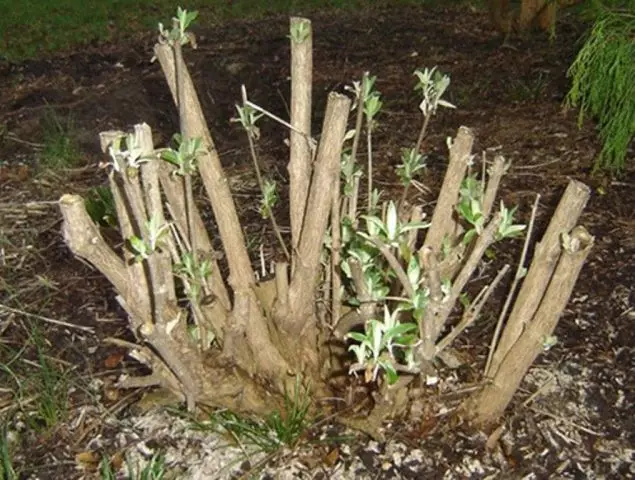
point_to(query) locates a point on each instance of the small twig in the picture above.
(263, 262)
(38, 365)
(310, 139)
(395, 265)
(22, 402)
(5, 325)
(179, 236)
(14, 138)
(358, 367)
(566, 421)
(114, 410)
(31, 204)
(539, 391)
(537, 165)
(118, 342)
(336, 245)
(369, 153)
(472, 313)
(261, 184)
(564, 437)
(352, 204)
(422, 133)
(404, 196)
(47, 319)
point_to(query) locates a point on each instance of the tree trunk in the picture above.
(533, 13)
(501, 15)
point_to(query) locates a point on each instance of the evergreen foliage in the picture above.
(603, 84)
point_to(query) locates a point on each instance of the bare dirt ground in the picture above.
(573, 417)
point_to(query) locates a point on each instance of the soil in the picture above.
(572, 418)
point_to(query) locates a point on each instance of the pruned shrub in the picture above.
(362, 285)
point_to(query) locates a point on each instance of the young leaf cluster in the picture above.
(178, 33)
(380, 247)
(184, 157)
(195, 273)
(156, 235)
(386, 344)
(432, 85)
(125, 155)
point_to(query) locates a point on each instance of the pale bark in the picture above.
(159, 264)
(529, 9)
(325, 179)
(489, 404)
(138, 296)
(174, 191)
(439, 307)
(84, 240)
(214, 179)
(496, 172)
(300, 154)
(443, 219)
(269, 333)
(546, 255)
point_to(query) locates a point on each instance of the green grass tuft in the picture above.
(529, 90)
(6, 464)
(61, 149)
(281, 428)
(155, 469)
(39, 387)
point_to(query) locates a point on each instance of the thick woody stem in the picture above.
(545, 259)
(300, 154)
(174, 190)
(438, 311)
(489, 404)
(216, 185)
(325, 180)
(83, 238)
(496, 172)
(443, 223)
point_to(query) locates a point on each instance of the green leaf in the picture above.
(400, 329)
(414, 226)
(391, 373)
(171, 156)
(359, 351)
(414, 271)
(376, 333)
(360, 337)
(464, 299)
(392, 221)
(374, 226)
(446, 104)
(139, 246)
(469, 235)
(189, 18)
